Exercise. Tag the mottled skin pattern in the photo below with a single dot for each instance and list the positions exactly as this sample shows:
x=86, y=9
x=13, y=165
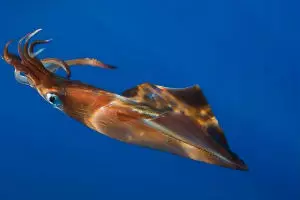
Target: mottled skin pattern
x=175, y=120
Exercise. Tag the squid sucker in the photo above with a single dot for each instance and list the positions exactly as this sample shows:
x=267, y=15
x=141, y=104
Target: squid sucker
x=174, y=120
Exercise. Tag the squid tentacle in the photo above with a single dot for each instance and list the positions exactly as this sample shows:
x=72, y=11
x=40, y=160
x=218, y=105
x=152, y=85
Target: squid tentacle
x=79, y=61
x=30, y=62
x=31, y=46
x=35, y=54
x=20, y=51
x=11, y=58
x=24, y=58
x=28, y=48
x=91, y=62
x=21, y=78
x=55, y=61
x=23, y=52
x=59, y=64
x=6, y=55
x=26, y=55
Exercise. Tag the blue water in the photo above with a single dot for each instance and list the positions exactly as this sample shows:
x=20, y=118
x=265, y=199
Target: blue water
x=243, y=54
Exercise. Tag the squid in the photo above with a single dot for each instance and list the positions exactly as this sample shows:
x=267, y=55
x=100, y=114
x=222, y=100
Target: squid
x=179, y=121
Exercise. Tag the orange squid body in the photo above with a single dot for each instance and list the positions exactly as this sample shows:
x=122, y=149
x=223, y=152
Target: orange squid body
x=175, y=120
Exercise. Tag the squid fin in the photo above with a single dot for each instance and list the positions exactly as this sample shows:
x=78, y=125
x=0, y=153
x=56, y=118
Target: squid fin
x=186, y=130
x=189, y=99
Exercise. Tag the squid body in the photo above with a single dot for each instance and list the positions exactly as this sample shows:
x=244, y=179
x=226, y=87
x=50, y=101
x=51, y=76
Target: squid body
x=175, y=120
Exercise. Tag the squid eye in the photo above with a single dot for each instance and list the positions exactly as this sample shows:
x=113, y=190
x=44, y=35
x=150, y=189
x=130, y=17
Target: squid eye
x=54, y=100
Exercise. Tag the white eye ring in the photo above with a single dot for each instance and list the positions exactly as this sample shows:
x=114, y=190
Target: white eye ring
x=54, y=100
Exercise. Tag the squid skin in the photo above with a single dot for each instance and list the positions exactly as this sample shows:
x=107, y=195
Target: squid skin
x=175, y=120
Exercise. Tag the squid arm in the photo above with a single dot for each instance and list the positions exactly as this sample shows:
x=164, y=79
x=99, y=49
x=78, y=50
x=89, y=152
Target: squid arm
x=53, y=64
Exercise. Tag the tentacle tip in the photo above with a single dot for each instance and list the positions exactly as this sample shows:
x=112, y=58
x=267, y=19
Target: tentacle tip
x=37, y=52
x=36, y=31
x=111, y=66
x=30, y=35
x=8, y=43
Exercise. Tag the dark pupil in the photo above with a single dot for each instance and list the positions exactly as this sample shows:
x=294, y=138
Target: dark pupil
x=52, y=99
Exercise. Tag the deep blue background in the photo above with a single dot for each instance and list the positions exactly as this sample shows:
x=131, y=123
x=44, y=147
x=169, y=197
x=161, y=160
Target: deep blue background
x=244, y=55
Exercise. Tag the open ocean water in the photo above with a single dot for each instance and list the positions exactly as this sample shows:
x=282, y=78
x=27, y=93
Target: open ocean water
x=243, y=54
